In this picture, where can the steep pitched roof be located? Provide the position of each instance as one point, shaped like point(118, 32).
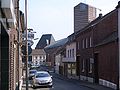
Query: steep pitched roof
point(57, 43)
point(45, 40)
point(38, 52)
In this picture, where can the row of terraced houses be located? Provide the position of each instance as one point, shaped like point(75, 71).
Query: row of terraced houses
point(91, 53)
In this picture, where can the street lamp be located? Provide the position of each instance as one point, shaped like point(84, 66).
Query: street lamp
point(26, 43)
point(26, 55)
point(18, 44)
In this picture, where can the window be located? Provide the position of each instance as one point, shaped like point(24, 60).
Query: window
point(78, 45)
point(90, 42)
point(36, 57)
point(73, 69)
point(47, 42)
point(86, 43)
point(72, 52)
point(83, 43)
point(68, 53)
point(40, 57)
point(91, 65)
point(83, 65)
point(43, 57)
point(69, 69)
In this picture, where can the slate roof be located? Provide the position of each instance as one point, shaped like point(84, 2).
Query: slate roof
point(57, 43)
point(112, 37)
point(38, 52)
point(43, 41)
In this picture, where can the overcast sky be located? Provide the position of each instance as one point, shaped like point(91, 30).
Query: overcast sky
point(56, 16)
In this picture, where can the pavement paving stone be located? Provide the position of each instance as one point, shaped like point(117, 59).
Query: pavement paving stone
point(85, 83)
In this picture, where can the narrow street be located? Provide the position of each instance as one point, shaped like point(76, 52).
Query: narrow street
point(77, 47)
point(60, 83)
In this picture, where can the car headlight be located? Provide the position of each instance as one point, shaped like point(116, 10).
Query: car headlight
point(50, 80)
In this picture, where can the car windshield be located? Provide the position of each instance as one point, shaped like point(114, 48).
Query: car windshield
point(32, 72)
point(42, 75)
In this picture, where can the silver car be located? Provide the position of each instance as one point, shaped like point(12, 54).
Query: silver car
point(42, 78)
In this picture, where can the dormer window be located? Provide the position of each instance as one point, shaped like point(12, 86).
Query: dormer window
point(47, 41)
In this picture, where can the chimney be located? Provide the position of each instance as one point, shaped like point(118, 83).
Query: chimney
point(100, 15)
point(118, 6)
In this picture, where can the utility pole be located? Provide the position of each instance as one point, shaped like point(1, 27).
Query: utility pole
point(18, 40)
point(26, 55)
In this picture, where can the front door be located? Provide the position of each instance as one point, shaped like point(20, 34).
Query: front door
point(96, 68)
point(78, 65)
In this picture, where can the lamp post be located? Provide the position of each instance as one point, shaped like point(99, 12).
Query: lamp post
point(26, 55)
point(18, 43)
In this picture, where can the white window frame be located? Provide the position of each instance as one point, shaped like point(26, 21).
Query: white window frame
point(90, 42)
point(86, 43)
point(83, 65)
point(91, 65)
point(83, 43)
point(78, 45)
point(70, 53)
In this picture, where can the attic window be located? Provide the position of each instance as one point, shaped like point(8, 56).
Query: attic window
point(47, 41)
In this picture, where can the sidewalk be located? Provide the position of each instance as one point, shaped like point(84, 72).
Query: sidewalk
point(84, 83)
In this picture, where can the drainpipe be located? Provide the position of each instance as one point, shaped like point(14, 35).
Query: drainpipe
point(119, 39)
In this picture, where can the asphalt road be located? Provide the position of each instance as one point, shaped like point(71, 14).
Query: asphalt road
point(60, 83)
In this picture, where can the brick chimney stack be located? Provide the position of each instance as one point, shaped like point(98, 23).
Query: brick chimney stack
point(100, 15)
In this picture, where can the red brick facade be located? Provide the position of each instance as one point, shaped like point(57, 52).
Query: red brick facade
point(97, 51)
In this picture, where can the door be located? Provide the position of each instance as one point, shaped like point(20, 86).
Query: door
point(78, 65)
point(86, 68)
point(96, 68)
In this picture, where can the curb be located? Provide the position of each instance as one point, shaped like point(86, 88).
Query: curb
point(83, 83)
point(74, 81)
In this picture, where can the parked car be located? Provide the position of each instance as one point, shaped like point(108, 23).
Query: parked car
point(32, 73)
point(42, 78)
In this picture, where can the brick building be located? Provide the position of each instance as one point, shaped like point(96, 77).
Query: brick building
point(97, 51)
point(10, 73)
